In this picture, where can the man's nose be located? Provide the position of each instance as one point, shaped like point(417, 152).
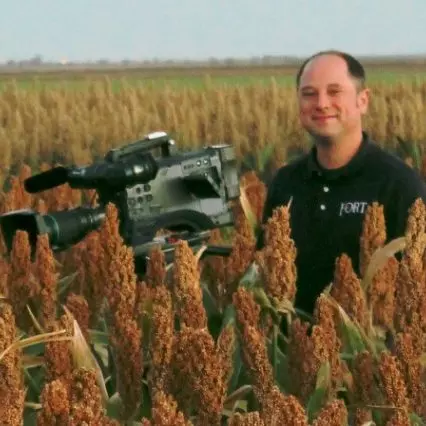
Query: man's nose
point(323, 100)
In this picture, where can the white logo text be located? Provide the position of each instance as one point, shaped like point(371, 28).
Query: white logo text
point(352, 207)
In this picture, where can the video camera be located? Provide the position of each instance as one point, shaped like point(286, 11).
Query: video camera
point(187, 194)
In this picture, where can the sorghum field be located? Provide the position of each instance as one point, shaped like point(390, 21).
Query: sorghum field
point(84, 341)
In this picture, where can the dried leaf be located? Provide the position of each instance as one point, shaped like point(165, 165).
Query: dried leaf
point(236, 396)
point(83, 357)
point(379, 259)
point(31, 361)
point(34, 340)
point(247, 209)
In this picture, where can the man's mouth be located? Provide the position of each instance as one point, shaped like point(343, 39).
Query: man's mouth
point(322, 118)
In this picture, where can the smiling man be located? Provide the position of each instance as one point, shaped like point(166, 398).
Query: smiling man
point(344, 172)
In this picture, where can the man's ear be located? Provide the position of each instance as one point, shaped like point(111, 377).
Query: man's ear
point(363, 99)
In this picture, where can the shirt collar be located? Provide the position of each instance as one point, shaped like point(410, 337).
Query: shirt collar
point(313, 169)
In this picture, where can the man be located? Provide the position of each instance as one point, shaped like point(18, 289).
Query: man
point(345, 171)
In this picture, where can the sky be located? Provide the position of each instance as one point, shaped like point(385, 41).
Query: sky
point(80, 30)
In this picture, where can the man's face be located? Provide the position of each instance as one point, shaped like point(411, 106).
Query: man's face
point(330, 103)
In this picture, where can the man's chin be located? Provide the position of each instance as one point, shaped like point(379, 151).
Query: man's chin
point(323, 135)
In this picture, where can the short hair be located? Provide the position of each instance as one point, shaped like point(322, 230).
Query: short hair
point(355, 68)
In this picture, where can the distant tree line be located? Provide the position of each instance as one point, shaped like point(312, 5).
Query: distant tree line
point(37, 63)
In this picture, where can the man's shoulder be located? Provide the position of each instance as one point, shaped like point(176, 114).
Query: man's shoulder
point(390, 164)
point(396, 171)
point(290, 169)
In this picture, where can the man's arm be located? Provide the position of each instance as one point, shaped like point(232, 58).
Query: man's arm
point(267, 213)
point(406, 191)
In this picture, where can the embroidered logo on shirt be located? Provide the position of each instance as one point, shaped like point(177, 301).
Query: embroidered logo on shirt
point(353, 207)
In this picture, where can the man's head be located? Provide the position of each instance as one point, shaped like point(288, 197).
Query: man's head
point(332, 95)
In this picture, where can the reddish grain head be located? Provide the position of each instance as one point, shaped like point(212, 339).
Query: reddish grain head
point(277, 258)
point(187, 289)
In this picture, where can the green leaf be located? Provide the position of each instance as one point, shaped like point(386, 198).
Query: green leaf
point(64, 283)
point(416, 420)
point(251, 276)
point(35, 381)
point(34, 350)
point(347, 356)
point(323, 376)
point(114, 406)
point(315, 403)
point(416, 154)
point(209, 302)
point(354, 339)
point(30, 417)
point(261, 297)
point(304, 316)
point(403, 146)
point(146, 404)
point(237, 367)
point(319, 396)
point(280, 364)
point(265, 155)
point(229, 316)
point(274, 350)
point(99, 337)
point(33, 384)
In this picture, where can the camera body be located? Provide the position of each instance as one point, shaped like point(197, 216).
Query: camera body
point(190, 192)
point(184, 192)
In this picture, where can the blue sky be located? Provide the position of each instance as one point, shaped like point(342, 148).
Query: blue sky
point(198, 29)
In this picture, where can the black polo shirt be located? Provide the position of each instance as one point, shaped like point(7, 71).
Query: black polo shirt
point(328, 207)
